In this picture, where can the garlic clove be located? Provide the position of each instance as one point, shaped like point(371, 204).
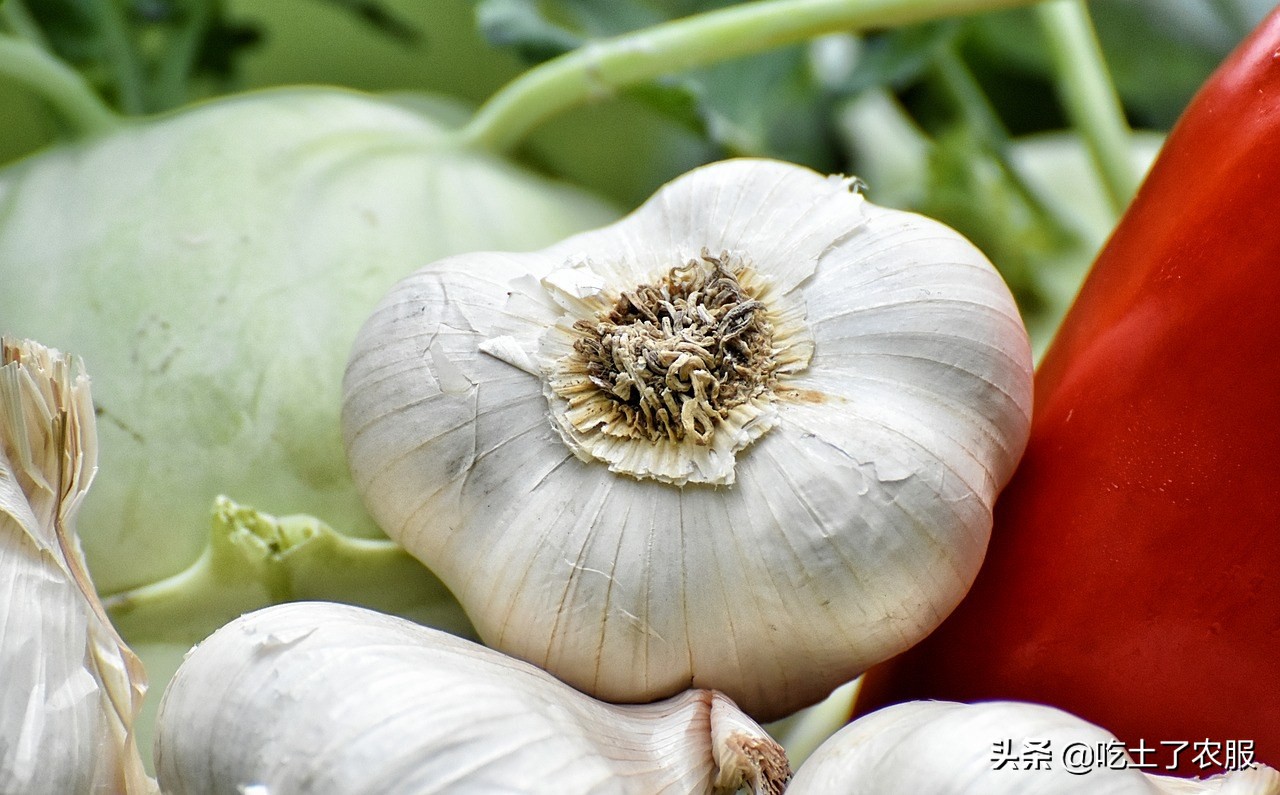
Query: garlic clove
point(768, 518)
point(70, 689)
point(946, 748)
point(325, 698)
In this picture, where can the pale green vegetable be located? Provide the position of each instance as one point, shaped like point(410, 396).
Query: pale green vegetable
point(212, 269)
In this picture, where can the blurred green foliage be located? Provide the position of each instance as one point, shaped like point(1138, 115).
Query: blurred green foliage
point(960, 94)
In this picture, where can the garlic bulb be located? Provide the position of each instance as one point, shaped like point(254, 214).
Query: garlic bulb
point(327, 698)
point(945, 748)
point(69, 687)
point(745, 439)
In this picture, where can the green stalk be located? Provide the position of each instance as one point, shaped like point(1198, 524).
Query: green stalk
point(56, 83)
point(601, 67)
point(978, 113)
point(254, 559)
point(1089, 96)
point(18, 20)
point(175, 72)
point(968, 97)
point(122, 57)
point(890, 148)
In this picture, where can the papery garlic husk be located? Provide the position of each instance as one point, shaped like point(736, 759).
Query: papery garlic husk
point(845, 387)
point(70, 689)
point(946, 748)
point(316, 697)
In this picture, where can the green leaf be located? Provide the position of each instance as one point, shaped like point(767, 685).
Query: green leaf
point(377, 16)
point(896, 58)
point(146, 56)
point(1158, 52)
point(520, 26)
point(769, 104)
point(68, 26)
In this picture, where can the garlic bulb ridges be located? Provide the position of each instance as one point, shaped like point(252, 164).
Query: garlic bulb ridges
point(749, 436)
point(326, 698)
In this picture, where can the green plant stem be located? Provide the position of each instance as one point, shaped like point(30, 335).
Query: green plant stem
point(970, 99)
point(890, 149)
point(122, 56)
point(192, 603)
point(18, 21)
point(601, 67)
point(255, 559)
point(56, 83)
point(981, 117)
point(1089, 96)
point(175, 71)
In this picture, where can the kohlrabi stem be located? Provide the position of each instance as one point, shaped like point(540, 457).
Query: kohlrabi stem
point(255, 559)
point(601, 67)
point(214, 589)
point(1089, 96)
point(56, 83)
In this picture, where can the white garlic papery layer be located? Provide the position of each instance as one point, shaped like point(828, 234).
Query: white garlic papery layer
point(69, 687)
point(745, 439)
point(325, 698)
point(993, 748)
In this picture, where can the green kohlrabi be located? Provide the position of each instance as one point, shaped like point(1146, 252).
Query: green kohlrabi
point(212, 268)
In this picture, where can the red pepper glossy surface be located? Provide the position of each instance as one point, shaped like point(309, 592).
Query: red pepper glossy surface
point(1134, 572)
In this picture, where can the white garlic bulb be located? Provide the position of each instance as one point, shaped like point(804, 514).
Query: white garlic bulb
point(991, 748)
point(745, 439)
point(70, 689)
point(326, 698)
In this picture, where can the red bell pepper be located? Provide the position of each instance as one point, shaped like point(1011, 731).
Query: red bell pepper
point(1133, 576)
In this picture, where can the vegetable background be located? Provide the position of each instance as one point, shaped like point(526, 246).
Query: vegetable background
point(1128, 578)
point(959, 119)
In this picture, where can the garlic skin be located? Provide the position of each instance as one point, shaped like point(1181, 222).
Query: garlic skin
point(771, 544)
point(70, 689)
point(316, 697)
point(946, 748)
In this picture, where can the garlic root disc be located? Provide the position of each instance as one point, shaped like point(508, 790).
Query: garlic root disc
point(745, 439)
point(326, 698)
point(945, 748)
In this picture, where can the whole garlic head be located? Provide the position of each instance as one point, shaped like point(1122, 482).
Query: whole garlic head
point(745, 439)
point(326, 698)
point(946, 748)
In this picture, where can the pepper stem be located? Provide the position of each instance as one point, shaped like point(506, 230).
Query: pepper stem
point(601, 67)
point(56, 83)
